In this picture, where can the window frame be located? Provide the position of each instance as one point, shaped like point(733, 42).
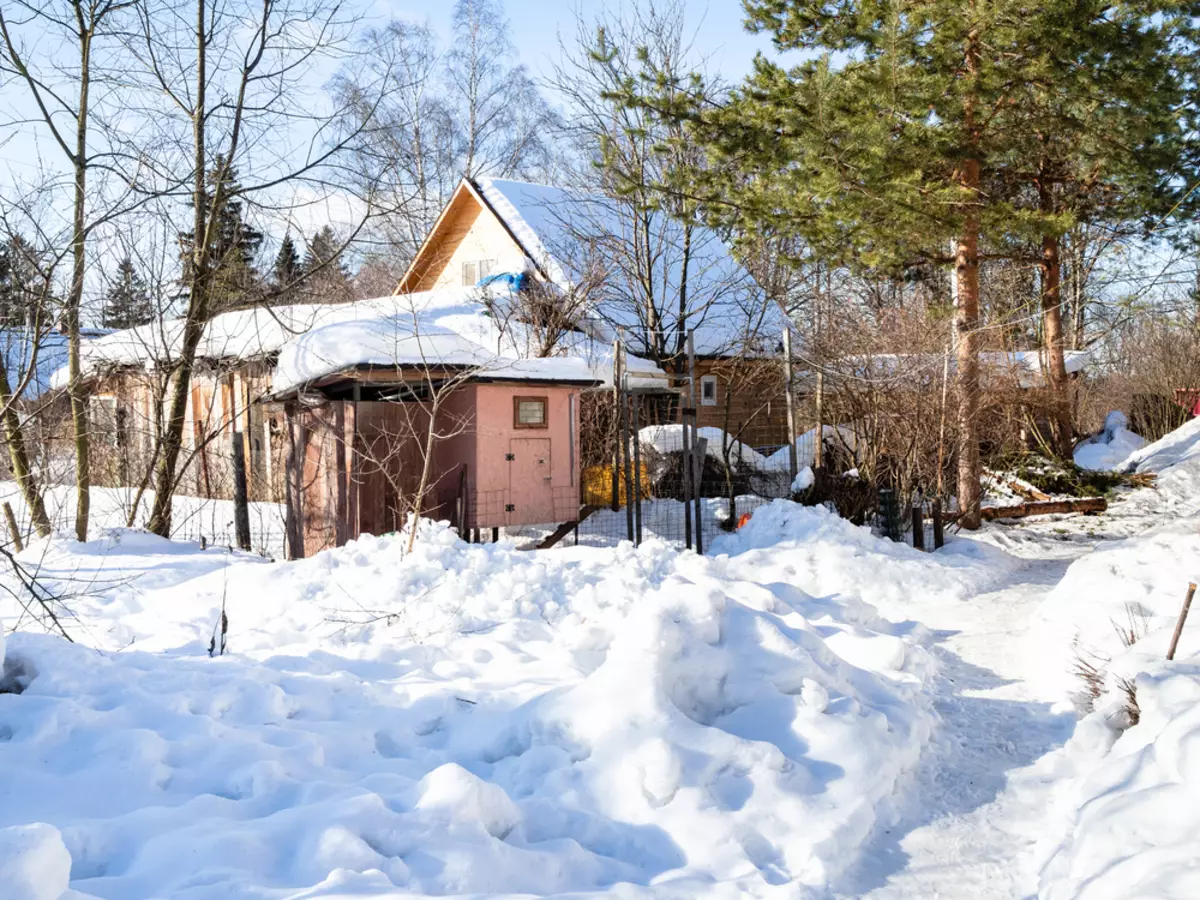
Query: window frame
point(527, 398)
point(473, 267)
point(706, 380)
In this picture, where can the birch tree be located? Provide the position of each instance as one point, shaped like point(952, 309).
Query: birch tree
point(60, 88)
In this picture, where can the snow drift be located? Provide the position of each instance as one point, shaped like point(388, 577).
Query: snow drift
point(1110, 448)
point(469, 718)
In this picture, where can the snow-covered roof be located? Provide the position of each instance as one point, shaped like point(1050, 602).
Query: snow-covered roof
point(1027, 367)
point(455, 326)
point(558, 229)
point(17, 346)
point(409, 339)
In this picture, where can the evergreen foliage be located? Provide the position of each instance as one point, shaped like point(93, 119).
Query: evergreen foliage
point(127, 303)
point(286, 272)
point(23, 288)
point(233, 246)
point(326, 277)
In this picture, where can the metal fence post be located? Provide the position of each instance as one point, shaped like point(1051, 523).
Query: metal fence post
point(685, 465)
point(637, 471)
point(699, 451)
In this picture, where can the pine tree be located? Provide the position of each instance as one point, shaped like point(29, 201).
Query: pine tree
point(905, 143)
point(234, 246)
point(285, 272)
point(1105, 139)
point(127, 303)
point(327, 280)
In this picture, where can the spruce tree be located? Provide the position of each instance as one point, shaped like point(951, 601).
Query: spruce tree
point(233, 246)
point(127, 303)
point(326, 277)
point(23, 288)
point(285, 272)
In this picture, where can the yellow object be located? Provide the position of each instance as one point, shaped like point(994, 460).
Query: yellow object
point(597, 486)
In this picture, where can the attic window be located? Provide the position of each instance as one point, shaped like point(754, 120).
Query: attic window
point(529, 412)
point(468, 274)
point(486, 268)
point(708, 390)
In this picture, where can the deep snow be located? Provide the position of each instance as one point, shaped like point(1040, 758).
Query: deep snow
point(807, 712)
point(470, 718)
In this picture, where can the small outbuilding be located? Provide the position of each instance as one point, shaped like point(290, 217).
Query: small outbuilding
point(393, 416)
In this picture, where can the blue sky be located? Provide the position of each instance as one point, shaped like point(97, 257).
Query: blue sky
point(537, 24)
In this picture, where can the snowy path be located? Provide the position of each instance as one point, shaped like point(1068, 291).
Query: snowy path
point(966, 831)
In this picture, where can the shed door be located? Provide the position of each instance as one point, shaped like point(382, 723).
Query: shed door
point(529, 488)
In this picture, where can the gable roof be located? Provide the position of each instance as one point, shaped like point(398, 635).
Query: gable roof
point(561, 232)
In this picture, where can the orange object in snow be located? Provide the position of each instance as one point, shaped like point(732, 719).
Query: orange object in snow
point(743, 519)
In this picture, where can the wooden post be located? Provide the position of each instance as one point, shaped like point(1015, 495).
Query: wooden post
point(793, 462)
point(691, 352)
point(685, 473)
point(495, 535)
point(13, 531)
point(241, 499)
point(699, 450)
point(918, 526)
point(637, 471)
point(939, 535)
point(1183, 614)
point(616, 466)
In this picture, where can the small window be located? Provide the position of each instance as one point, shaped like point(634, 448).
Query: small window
point(486, 268)
point(468, 274)
point(708, 390)
point(529, 412)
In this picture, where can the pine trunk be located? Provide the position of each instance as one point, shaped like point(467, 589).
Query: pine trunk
point(966, 323)
point(1052, 325)
point(966, 314)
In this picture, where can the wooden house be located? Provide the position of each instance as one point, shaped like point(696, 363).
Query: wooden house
point(519, 232)
point(396, 415)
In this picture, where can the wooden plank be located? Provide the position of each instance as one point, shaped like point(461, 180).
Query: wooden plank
point(565, 528)
point(1042, 508)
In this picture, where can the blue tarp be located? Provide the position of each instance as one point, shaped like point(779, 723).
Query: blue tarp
point(514, 280)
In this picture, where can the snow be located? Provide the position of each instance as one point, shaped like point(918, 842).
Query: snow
point(807, 712)
point(1108, 450)
point(406, 340)
point(17, 348)
point(463, 719)
point(34, 862)
point(1130, 819)
point(552, 224)
point(453, 326)
point(804, 480)
point(669, 439)
point(1024, 368)
point(1180, 446)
